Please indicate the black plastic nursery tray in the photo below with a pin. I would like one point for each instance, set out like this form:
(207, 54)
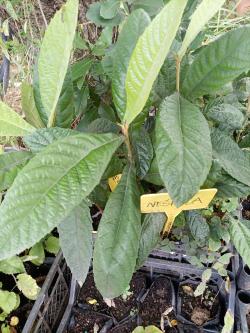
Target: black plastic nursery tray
(52, 301)
(177, 272)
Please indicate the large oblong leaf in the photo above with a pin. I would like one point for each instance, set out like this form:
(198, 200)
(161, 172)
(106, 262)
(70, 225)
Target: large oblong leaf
(118, 237)
(78, 254)
(55, 55)
(50, 186)
(149, 55)
(131, 31)
(183, 148)
(235, 161)
(203, 13)
(10, 164)
(219, 63)
(11, 123)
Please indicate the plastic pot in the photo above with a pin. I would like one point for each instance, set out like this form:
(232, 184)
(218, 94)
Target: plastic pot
(243, 310)
(181, 317)
(244, 277)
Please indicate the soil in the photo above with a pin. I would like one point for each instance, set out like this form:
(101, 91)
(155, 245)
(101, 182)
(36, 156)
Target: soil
(88, 321)
(199, 309)
(127, 304)
(157, 302)
(91, 296)
(246, 208)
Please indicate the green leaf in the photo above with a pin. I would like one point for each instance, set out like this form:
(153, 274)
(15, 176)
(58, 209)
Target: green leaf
(198, 226)
(151, 7)
(52, 245)
(78, 254)
(229, 187)
(93, 15)
(131, 31)
(65, 108)
(149, 55)
(235, 161)
(10, 164)
(8, 301)
(143, 150)
(50, 186)
(228, 322)
(28, 286)
(153, 175)
(118, 238)
(240, 236)
(101, 125)
(29, 107)
(150, 235)
(245, 142)
(37, 251)
(80, 69)
(203, 13)
(12, 124)
(109, 8)
(12, 265)
(5, 328)
(228, 117)
(183, 148)
(44, 137)
(53, 61)
(219, 63)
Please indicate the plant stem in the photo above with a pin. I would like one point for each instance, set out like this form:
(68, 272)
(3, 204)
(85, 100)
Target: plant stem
(125, 132)
(178, 70)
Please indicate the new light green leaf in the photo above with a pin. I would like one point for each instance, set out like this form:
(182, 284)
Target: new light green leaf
(12, 265)
(55, 55)
(8, 301)
(11, 123)
(131, 31)
(78, 254)
(29, 107)
(203, 13)
(118, 238)
(183, 148)
(10, 164)
(52, 245)
(219, 63)
(55, 181)
(240, 236)
(37, 251)
(235, 161)
(149, 55)
(28, 286)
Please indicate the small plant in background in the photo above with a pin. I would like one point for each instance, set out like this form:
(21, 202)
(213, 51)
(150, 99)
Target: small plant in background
(153, 103)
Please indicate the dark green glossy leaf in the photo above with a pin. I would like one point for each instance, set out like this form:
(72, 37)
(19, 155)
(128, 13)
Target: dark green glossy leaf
(183, 148)
(235, 161)
(245, 142)
(198, 226)
(118, 238)
(131, 31)
(10, 164)
(109, 8)
(143, 150)
(153, 175)
(94, 15)
(150, 235)
(50, 186)
(78, 253)
(219, 63)
(80, 69)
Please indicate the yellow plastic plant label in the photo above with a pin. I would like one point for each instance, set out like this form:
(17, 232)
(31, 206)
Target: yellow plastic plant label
(162, 203)
(113, 181)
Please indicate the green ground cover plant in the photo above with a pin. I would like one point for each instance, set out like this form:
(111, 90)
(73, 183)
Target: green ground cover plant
(154, 103)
